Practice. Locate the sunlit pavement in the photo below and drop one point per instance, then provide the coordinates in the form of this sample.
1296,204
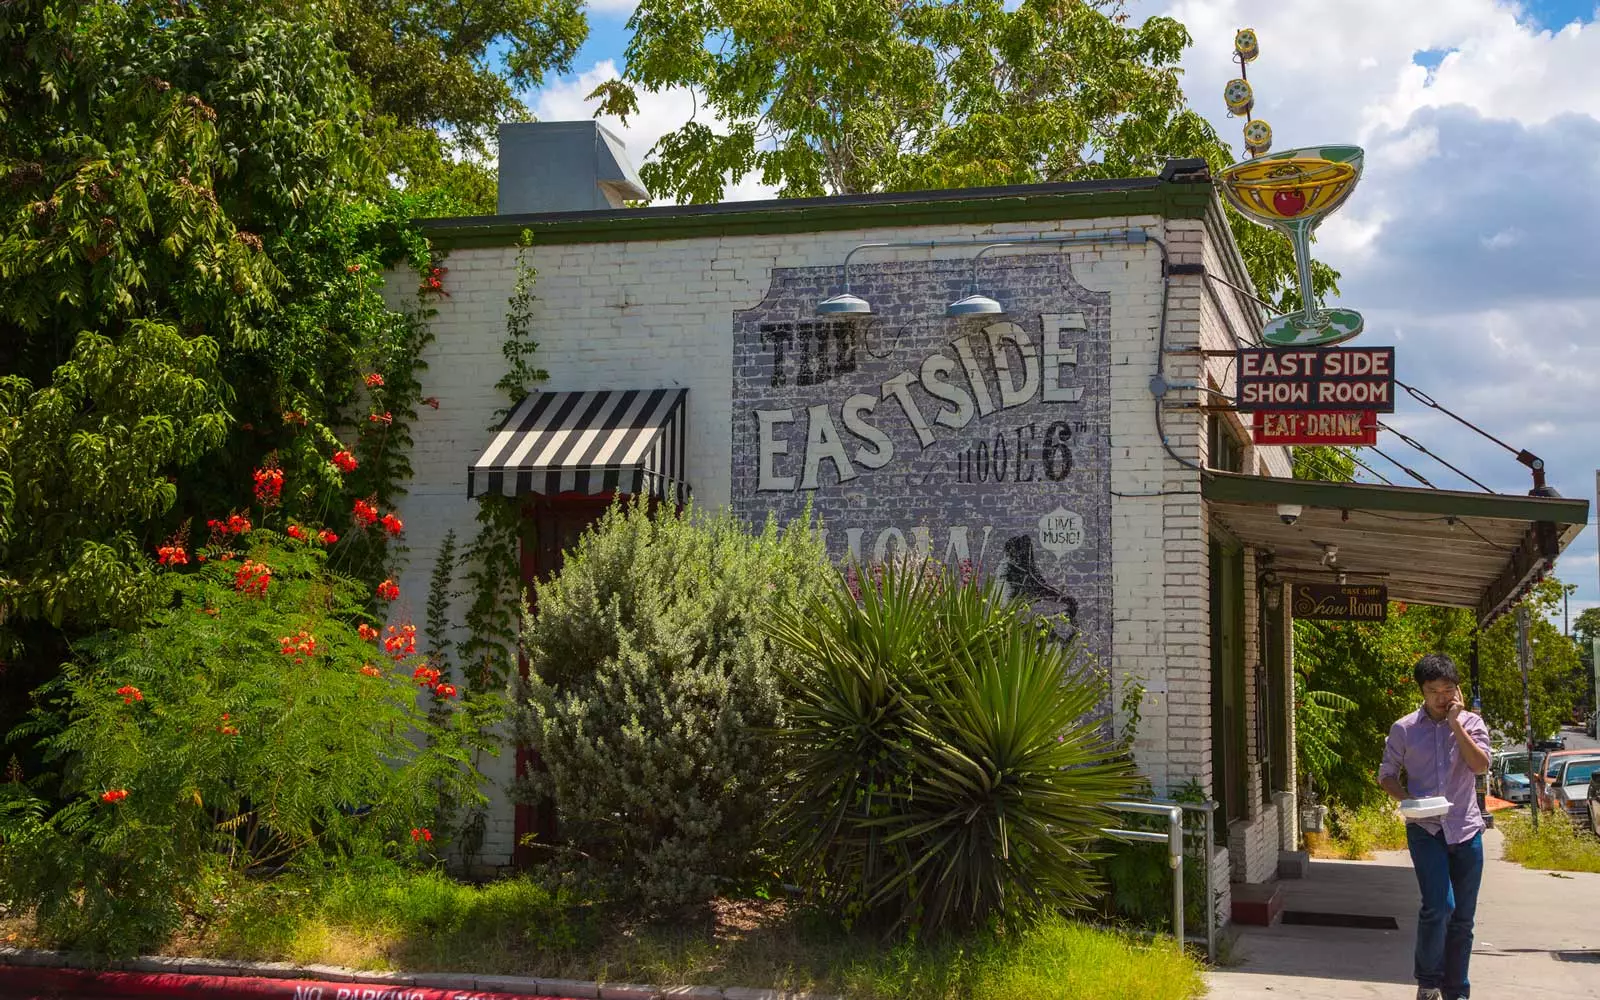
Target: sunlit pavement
1538,936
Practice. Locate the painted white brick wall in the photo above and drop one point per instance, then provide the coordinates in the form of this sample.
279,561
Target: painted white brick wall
649,314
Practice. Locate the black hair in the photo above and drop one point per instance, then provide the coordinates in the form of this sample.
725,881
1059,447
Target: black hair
1436,667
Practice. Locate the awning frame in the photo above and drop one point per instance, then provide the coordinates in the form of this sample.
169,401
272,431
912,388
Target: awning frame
1522,535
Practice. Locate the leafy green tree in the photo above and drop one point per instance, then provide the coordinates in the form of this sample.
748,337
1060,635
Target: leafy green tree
143,159
1585,630
1555,681
191,258
861,95
440,75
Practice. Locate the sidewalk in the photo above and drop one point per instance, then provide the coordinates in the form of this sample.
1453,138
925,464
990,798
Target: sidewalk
1538,936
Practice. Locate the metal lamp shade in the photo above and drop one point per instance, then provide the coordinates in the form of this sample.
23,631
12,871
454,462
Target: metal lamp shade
844,304
975,305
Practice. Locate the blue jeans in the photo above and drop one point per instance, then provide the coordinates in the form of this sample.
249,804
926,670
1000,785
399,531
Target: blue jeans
1449,876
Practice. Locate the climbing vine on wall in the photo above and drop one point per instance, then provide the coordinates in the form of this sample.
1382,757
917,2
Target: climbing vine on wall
490,562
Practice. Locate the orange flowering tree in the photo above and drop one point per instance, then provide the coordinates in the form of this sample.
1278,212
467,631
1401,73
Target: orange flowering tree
261,718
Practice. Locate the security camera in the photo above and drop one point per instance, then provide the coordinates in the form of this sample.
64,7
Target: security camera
1288,513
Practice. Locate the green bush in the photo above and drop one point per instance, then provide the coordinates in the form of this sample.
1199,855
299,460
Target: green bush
945,764
248,724
1360,831
650,687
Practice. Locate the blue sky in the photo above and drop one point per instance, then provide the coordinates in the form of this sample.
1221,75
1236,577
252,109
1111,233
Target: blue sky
1469,244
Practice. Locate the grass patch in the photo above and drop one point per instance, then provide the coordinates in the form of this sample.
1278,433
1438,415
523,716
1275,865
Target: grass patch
1558,846
1357,834
426,922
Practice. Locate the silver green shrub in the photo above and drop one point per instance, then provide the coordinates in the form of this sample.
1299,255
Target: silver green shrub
652,696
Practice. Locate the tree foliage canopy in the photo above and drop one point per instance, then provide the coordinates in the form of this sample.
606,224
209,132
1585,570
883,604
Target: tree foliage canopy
853,96
197,207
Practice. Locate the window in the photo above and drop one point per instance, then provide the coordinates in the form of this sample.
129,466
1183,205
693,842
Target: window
1224,449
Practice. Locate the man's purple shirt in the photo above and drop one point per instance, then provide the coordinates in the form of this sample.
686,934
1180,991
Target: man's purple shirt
1428,754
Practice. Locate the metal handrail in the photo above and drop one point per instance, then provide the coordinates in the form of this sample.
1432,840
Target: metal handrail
1173,838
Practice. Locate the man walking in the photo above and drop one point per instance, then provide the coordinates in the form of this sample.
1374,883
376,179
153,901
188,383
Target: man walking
1441,749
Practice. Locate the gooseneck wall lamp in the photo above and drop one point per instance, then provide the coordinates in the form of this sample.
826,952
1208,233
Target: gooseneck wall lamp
847,303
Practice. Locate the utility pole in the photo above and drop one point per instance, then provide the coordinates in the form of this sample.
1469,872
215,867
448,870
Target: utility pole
1482,782
1525,660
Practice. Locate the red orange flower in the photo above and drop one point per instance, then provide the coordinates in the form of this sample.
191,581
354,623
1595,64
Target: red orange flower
365,512
444,690
130,694
421,833
366,632
300,645
374,380
388,590
344,461
401,642
393,525
432,401
381,418
269,486
425,675
370,670
252,578
172,555
327,537
296,532
114,795
434,282
236,524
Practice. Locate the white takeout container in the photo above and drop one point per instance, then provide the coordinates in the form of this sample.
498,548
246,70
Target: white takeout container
1425,808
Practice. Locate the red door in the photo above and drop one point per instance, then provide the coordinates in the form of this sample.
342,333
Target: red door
557,522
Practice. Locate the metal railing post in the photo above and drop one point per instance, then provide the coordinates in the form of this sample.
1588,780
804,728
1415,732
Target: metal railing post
1175,842
1173,838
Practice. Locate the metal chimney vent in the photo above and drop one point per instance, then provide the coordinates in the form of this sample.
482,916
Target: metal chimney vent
564,167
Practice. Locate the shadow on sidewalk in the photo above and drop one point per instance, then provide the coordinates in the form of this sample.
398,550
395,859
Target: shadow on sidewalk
1362,890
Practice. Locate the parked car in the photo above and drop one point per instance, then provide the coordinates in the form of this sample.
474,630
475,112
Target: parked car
1594,806
1569,786
1544,777
1557,742
1508,777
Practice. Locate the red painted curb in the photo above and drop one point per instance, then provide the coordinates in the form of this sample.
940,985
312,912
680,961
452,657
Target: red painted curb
49,984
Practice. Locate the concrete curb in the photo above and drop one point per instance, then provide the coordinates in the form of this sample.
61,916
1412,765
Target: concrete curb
568,989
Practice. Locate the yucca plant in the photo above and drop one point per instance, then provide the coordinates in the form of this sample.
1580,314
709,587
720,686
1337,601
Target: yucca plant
946,766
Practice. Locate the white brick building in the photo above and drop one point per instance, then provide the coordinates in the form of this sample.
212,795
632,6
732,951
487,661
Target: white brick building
707,299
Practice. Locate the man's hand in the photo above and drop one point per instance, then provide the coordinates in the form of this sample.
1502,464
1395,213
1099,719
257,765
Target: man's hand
1452,715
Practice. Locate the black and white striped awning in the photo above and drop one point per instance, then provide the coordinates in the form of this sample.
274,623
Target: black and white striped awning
607,441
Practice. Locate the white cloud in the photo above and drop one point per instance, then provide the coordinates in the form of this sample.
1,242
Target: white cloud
612,8
659,113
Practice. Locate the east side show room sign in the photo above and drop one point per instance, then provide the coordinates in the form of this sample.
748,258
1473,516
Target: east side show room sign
1328,379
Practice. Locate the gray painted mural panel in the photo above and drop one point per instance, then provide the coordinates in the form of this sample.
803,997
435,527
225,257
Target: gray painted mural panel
983,439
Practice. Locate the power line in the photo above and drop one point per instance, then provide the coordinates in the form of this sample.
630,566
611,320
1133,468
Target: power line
1413,442
1432,404
1385,479
1403,468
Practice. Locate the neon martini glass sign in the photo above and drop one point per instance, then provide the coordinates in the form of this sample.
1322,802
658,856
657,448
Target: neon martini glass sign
1292,192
